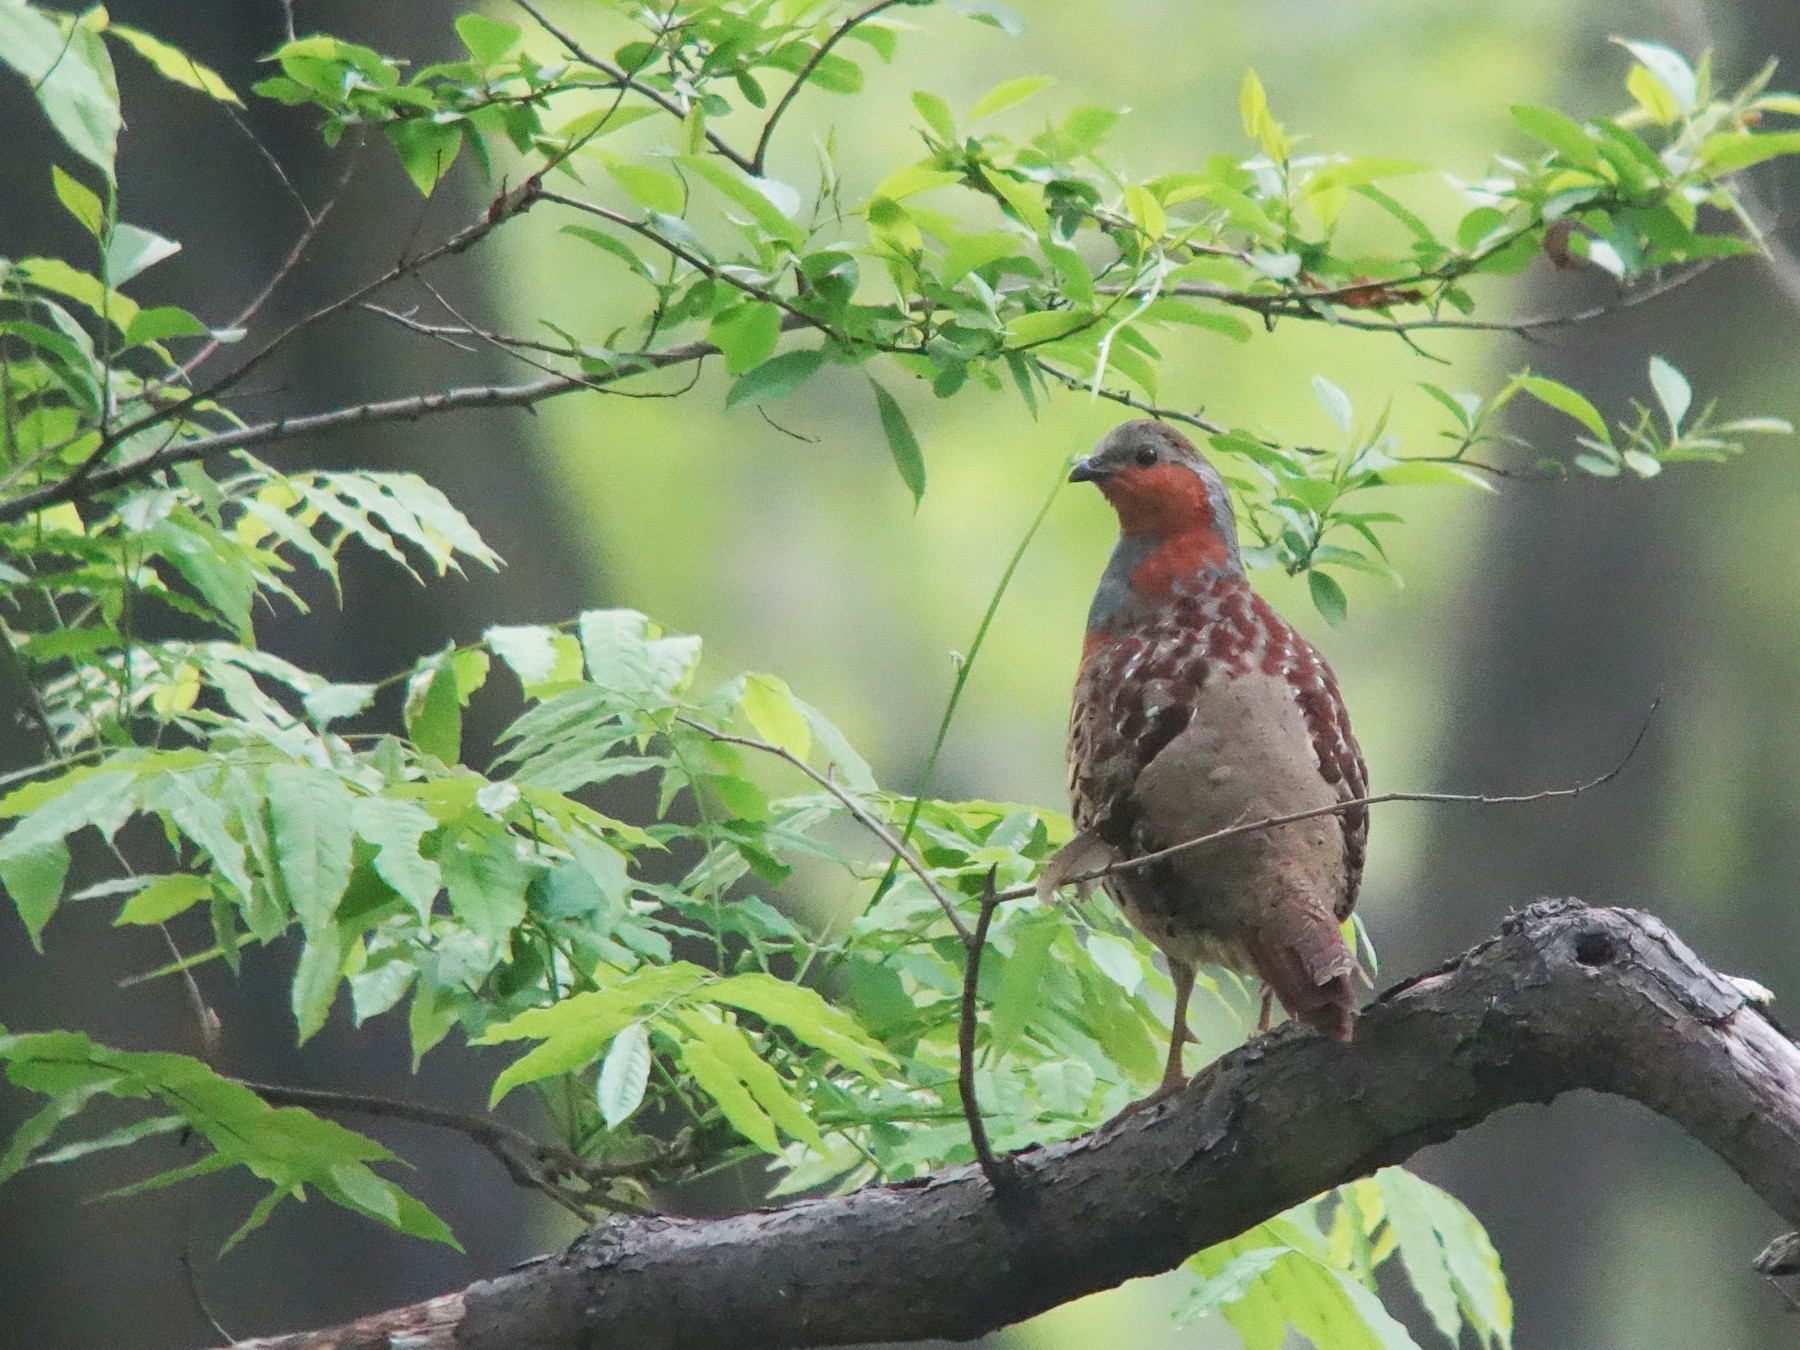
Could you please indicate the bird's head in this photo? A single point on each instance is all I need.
(1163, 489)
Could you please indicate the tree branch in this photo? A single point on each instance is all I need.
(805, 73)
(1564, 997)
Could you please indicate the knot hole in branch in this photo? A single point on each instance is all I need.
(1595, 947)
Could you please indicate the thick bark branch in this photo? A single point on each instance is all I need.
(1565, 997)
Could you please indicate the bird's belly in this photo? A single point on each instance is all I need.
(1246, 756)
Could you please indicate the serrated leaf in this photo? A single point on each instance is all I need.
(713, 1077)
(1421, 1253)
(34, 881)
(311, 833)
(395, 828)
(624, 1074)
(486, 881)
(805, 1013)
(532, 654)
(433, 712)
(1020, 991)
(909, 460)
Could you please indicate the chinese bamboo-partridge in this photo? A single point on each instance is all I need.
(1196, 709)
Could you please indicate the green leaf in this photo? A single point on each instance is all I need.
(613, 245)
(66, 66)
(771, 205)
(1020, 991)
(433, 712)
(316, 979)
(173, 64)
(624, 1074)
(162, 322)
(1566, 400)
(1739, 150)
(1008, 94)
(395, 829)
(485, 39)
(768, 705)
(1419, 473)
(1670, 69)
(936, 113)
(1335, 402)
(486, 881)
(1327, 596)
(805, 1013)
(34, 880)
(852, 769)
(1672, 391)
(426, 148)
(909, 460)
(1561, 133)
(80, 201)
(164, 898)
(542, 658)
(1420, 1252)
(1425, 1217)
(746, 334)
(311, 832)
(655, 188)
(716, 1079)
(775, 378)
(1259, 123)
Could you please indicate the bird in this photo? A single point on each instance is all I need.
(1198, 708)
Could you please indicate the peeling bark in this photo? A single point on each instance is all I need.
(1564, 997)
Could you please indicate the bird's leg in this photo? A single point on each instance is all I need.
(1173, 1078)
(1267, 1019)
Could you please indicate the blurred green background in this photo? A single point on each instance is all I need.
(1535, 627)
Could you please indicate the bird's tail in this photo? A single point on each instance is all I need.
(1311, 973)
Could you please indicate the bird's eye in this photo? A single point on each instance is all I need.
(1146, 456)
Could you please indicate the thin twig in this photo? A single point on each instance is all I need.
(805, 73)
(624, 80)
(199, 1298)
(999, 1173)
(1297, 306)
(315, 221)
(858, 812)
(1352, 804)
(407, 409)
(499, 211)
(529, 1162)
(1070, 380)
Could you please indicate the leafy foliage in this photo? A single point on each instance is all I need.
(745, 968)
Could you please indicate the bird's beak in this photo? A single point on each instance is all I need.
(1086, 471)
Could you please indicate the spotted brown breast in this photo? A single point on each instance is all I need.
(1202, 709)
